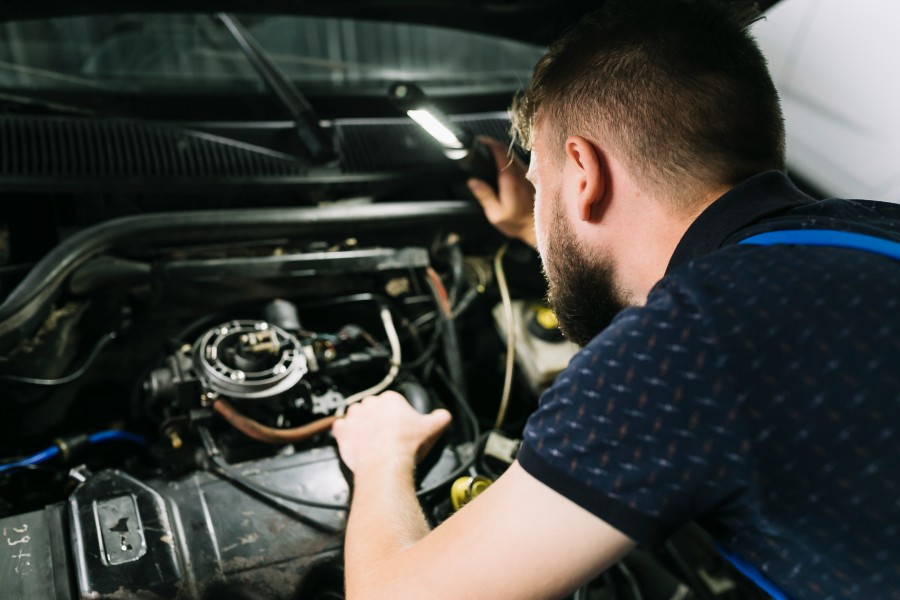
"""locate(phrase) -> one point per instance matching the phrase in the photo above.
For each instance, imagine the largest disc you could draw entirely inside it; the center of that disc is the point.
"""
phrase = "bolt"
(174, 439)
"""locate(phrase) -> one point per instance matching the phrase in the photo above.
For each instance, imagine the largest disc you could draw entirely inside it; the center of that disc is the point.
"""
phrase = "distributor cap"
(248, 359)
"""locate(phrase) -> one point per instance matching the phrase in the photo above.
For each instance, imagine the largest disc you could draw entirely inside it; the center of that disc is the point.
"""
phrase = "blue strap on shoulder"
(752, 573)
(827, 237)
(807, 237)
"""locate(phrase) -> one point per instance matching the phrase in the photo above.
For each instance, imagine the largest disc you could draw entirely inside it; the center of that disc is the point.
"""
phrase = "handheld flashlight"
(459, 144)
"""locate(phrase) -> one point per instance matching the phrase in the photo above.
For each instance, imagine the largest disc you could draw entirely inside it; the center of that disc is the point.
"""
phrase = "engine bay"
(186, 390)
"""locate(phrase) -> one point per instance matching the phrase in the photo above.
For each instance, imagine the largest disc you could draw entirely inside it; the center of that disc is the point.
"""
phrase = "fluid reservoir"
(541, 351)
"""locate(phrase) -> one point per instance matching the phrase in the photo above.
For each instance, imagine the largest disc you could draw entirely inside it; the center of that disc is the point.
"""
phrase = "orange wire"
(435, 280)
(271, 435)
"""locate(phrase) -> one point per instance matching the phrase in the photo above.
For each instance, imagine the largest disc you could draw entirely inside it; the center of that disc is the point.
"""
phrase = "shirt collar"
(752, 200)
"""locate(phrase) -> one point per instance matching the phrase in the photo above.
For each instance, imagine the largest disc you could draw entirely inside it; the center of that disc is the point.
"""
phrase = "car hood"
(536, 21)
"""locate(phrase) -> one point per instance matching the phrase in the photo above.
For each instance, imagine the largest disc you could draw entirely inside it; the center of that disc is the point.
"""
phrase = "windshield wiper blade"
(315, 139)
(49, 105)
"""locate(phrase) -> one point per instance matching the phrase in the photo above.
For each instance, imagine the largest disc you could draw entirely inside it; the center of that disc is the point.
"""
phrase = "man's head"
(679, 87)
(673, 93)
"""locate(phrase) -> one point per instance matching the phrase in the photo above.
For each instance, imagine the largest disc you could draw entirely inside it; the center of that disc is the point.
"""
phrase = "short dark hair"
(679, 87)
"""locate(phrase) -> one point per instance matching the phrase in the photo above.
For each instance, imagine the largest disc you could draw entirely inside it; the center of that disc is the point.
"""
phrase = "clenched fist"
(384, 431)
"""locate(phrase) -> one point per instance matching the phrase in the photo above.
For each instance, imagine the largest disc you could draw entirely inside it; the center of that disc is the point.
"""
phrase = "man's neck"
(647, 240)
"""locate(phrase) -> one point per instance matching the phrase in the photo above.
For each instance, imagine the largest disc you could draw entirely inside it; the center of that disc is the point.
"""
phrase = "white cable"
(394, 342)
(510, 334)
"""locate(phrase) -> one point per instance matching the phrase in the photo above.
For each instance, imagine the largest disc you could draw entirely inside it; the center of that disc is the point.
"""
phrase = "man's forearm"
(385, 519)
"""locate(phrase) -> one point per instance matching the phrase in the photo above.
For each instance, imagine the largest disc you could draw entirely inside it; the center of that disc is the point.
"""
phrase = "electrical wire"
(394, 342)
(461, 402)
(440, 292)
(457, 267)
(632, 582)
(98, 348)
(466, 408)
(273, 435)
(117, 435)
(60, 448)
(447, 324)
(270, 435)
(510, 335)
(226, 470)
(583, 593)
(466, 301)
(609, 586)
(34, 459)
(425, 319)
(426, 354)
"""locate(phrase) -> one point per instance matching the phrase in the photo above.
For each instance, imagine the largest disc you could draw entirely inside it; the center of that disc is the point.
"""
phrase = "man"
(752, 389)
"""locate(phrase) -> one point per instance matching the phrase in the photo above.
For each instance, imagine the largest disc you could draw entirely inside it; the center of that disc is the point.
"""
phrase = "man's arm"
(519, 539)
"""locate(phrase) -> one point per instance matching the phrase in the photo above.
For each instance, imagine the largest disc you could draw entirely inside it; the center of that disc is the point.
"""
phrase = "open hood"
(536, 21)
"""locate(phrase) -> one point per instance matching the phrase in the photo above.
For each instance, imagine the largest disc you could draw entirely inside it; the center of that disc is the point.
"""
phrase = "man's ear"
(590, 178)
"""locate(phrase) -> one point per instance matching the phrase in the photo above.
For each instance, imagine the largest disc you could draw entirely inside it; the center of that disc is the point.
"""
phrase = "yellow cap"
(546, 318)
(465, 489)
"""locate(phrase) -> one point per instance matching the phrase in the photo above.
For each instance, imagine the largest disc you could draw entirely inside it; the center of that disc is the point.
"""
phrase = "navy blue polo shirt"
(756, 393)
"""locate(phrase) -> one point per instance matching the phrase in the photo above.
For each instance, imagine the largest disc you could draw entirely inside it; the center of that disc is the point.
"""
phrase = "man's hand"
(512, 210)
(554, 544)
(386, 432)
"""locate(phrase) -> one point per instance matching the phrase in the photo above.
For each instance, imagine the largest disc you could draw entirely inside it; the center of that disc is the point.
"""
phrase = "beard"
(582, 289)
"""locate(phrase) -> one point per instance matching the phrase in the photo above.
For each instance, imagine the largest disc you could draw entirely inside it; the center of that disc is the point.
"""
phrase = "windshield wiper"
(313, 136)
(55, 107)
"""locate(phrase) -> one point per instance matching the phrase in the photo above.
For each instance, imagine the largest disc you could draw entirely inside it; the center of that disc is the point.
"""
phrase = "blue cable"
(42, 456)
(115, 434)
(94, 438)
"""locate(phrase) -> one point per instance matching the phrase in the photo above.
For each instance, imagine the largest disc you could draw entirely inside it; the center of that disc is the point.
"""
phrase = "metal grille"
(85, 148)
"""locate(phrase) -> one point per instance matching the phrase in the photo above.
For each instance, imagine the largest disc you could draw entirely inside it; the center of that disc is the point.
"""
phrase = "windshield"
(184, 53)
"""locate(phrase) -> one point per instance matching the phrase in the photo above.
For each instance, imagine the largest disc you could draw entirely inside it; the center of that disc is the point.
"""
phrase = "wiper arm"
(315, 139)
(55, 107)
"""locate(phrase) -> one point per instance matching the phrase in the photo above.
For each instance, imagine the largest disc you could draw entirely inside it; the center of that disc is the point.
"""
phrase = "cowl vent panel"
(72, 147)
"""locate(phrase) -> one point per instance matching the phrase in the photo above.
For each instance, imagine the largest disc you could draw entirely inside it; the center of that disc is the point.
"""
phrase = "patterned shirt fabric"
(756, 393)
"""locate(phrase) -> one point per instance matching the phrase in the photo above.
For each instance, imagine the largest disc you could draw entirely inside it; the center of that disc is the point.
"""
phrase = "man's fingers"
(436, 422)
(504, 159)
(439, 419)
(485, 196)
(488, 200)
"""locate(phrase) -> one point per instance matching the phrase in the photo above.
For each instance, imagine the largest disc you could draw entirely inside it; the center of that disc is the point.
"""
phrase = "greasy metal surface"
(119, 527)
(365, 260)
(26, 562)
(177, 540)
(99, 516)
(267, 546)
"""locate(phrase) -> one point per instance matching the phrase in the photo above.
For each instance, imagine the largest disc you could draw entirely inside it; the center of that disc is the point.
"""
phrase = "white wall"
(837, 67)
